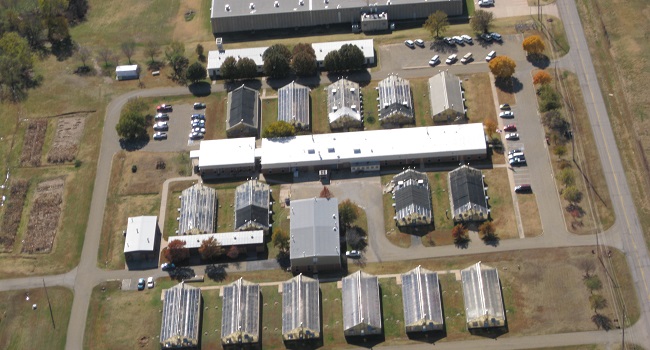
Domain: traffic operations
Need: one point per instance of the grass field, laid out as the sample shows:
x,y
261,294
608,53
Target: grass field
x,y
24,328
529,213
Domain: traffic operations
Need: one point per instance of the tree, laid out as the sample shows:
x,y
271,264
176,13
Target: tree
x,y
196,72
229,69
348,213
481,21
279,128
16,67
490,126
276,65
233,252
280,240
332,61
534,45
131,126
351,57
176,251
152,49
106,55
587,266
566,177
598,302
559,150
128,49
602,321
325,193
210,248
216,273
487,231
76,11
246,68
52,12
179,66
593,283
200,52
502,67
437,23
176,48
303,64
355,237
553,119
277,49
459,233
549,98
83,54
541,78
572,195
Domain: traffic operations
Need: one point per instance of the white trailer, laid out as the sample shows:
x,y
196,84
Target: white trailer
x,y
127,72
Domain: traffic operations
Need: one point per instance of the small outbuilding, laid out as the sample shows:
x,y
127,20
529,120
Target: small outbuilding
x,y
252,202
243,113
482,296
412,199
361,305
141,239
344,105
446,97
314,242
181,317
467,194
293,105
198,211
300,309
395,102
422,302
240,315
127,72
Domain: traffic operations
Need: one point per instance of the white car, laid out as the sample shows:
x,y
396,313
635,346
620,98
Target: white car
x,y
449,41
150,282
490,56
451,59
467,38
355,254
434,60
485,3
419,42
512,136
458,40
506,114
467,58
409,43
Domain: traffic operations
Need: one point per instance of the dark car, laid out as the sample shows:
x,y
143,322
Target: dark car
x,y
160,136
523,189
167,266
196,135
197,117
164,108
141,284
199,105
511,127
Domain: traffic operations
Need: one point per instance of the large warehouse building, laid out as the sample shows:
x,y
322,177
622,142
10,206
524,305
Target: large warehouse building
x,y
229,16
361,305
240,318
422,302
482,296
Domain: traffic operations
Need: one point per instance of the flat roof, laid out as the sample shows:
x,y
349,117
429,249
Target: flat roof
x,y
126,68
226,153
140,233
225,239
322,49
216,58
369,146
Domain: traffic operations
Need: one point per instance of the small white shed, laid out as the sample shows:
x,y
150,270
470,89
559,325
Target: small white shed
x,y
127,72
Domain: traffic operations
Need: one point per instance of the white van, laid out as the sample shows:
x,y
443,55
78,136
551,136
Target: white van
x,y
467,58
516,155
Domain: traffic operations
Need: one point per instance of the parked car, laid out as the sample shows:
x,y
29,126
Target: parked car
x,y
451,59
409,43
467,58
141,284
512,136
458,40
161,126
485,3
496,36
199,105
467,38
490,56
160,136
419,42
486,37
516,155
504,107
197,122
150,282
523,188
199,130
506,114
161,117
354,254
449,41
510,127
164,108
517,161
167,266
197,117
434,60
196,135
516,150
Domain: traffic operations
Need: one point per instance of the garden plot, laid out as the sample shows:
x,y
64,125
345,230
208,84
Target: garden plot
x,y
44,217
13,213
33,143
66,140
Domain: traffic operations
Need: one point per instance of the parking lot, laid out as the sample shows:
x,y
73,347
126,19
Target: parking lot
x,y
179,129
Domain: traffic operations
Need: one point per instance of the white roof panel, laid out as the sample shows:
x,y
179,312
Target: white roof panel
x,y
225,239
227,153
216,58
322,49
140,233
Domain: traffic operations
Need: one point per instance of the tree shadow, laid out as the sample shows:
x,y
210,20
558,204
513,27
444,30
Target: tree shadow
x,y
540,61
283,259
134,145
419,231
509,85
462,243
216,273
63,49
181,273
362,77
492,240
200,89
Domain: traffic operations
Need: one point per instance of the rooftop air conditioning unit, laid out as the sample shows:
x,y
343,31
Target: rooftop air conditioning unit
x,y
276,4
251,6
227,8
301,2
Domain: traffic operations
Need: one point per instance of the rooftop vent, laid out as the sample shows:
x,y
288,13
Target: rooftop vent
x,y
301,2
251,6
276,4
227,8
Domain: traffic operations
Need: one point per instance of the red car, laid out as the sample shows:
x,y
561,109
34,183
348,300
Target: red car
x,y
511,127
164,108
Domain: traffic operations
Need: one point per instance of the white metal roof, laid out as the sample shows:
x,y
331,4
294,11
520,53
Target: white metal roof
x,y
227,153
216,58
140,234
377,145
224,239
127,68
322,49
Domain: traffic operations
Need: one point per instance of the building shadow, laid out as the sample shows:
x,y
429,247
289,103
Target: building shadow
x,y
370,341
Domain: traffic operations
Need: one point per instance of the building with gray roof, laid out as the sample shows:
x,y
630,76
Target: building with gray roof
x,y
252,201
240,315
293,105
467,195
300,309
142,239
446,97
243,113
314,243
422,302
181,317
198,211
482,297
395,102
237,16
361,305
412,199
344,105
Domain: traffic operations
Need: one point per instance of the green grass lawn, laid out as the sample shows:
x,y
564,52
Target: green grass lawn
x,y
370,113
269,112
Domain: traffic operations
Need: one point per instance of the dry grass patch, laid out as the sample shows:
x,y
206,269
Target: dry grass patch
x,y
12,214
24,328
33,143
500,202
193,30
66,140
44,217
506,97
529,213
153,168
421,104
480,103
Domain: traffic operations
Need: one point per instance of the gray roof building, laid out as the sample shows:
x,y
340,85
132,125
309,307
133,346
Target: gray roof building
x,y
395,101
467,195
300,309
198,211
240,317
314,242
181,317
446,97
421,299
243,112
482,297
293,105
361,305
252,206
344,105
412,199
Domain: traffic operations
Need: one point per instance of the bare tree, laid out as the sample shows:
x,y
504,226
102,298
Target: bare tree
x,y
128,49
106,55
587,266
152,49
83,54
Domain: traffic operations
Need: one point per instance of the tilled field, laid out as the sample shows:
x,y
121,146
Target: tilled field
x,y
66,140
44,217
33,143
13,213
